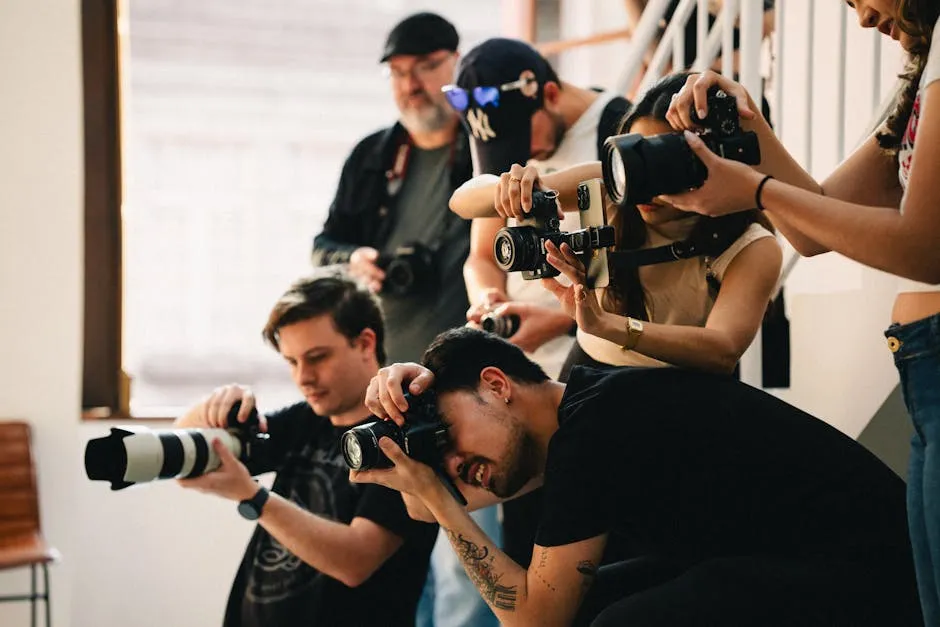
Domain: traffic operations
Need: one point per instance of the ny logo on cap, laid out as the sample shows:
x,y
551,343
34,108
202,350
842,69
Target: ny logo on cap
x,y
480,125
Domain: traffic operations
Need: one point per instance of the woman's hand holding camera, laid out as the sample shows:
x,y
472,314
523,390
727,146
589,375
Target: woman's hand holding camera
x,y
384,397
731,185
513,196
694,95
576,299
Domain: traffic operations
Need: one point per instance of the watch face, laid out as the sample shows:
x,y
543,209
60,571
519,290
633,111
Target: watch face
x,y
248,510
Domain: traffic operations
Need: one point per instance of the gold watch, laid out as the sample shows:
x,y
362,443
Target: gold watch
x,y
634,331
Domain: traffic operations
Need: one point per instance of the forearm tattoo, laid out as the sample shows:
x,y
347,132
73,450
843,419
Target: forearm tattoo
x,y
479,566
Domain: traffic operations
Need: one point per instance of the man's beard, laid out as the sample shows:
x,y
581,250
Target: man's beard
x,y
520,468
558,132
429,118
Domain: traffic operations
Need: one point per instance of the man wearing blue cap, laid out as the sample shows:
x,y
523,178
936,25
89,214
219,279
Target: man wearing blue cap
x,y
519,112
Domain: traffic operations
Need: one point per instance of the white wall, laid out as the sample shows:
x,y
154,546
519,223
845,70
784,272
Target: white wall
x,y
152,557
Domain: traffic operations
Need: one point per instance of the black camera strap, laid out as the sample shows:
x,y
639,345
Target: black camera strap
x,y
711,241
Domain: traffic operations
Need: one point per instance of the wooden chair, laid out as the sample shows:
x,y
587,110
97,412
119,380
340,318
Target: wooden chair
x,y
21,540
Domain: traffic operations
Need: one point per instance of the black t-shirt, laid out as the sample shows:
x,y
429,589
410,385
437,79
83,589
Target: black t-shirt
x,y
274,588
691,466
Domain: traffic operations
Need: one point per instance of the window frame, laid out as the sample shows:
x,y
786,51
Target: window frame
x,y
104,385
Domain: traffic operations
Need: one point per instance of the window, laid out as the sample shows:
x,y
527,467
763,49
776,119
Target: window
x,y
236,117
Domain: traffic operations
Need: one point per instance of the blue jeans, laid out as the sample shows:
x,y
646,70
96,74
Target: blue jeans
x,y
449,598
916,348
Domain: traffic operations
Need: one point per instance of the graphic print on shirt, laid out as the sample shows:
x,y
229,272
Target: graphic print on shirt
x,y
277,573
906,152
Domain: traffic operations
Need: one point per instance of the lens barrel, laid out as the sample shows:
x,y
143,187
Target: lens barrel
x,y
126,457
361,444
503,326
517,248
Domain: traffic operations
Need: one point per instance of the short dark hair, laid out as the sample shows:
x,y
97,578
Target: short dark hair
x,y
329,291
457,356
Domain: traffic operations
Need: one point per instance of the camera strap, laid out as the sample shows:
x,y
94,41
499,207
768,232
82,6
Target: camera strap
x,y
395,176
711,241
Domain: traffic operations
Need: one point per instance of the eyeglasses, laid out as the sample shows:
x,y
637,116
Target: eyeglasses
x,y
422,70
483,95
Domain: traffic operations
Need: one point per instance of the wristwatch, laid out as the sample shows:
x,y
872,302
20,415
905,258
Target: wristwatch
x,y
250,509
634,331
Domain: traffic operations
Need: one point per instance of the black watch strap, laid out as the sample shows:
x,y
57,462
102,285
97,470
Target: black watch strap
x,y
250,509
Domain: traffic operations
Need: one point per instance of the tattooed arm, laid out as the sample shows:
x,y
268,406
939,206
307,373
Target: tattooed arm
x,y
548,593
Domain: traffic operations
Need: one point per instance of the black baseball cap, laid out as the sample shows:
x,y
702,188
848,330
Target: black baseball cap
x,y
501,134
421,33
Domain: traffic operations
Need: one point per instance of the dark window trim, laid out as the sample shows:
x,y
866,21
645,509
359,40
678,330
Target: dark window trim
x,y
103,384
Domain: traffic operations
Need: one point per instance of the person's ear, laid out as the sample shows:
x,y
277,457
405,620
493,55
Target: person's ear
x,y
551,92
366,342
495,381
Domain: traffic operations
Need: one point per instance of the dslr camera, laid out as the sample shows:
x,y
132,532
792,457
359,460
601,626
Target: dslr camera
x,y
424,438
522,247
137,455
637,168
409,270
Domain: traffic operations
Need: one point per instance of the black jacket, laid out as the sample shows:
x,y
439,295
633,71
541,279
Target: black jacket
x,y
362,213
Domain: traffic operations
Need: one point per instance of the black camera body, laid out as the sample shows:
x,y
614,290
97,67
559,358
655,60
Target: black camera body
x,y
409,270
522,247
423,438
503,326
637,168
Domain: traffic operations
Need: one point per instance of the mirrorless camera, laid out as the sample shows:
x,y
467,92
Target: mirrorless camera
x,y
522,247
409,270
131,455
637,168
424,438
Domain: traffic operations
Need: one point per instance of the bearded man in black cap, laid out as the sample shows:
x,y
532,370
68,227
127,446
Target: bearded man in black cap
x,y
389,220
391,224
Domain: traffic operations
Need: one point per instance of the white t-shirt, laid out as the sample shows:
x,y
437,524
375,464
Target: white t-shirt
x,y
676,292
906,152
578,146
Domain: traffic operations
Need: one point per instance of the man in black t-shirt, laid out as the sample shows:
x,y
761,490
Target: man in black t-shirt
x,y
326,551
769,515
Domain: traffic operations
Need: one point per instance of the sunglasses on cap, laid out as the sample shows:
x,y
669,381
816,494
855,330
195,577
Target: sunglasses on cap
x,y
459,98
